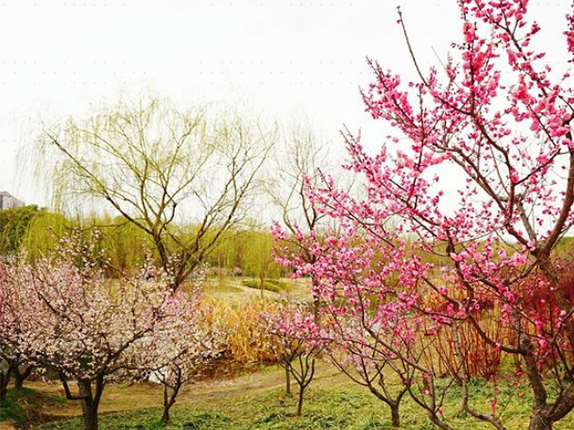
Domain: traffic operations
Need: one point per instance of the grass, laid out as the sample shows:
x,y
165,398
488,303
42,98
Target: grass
x,y
272,410
25,405
342,406
10,410
237,288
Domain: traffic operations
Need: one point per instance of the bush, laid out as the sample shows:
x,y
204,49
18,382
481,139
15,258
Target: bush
x,y
273,285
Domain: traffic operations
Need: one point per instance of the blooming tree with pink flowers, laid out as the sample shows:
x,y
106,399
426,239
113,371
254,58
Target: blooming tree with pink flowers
x,y
418,254
360,356
366,346
296,342
61,313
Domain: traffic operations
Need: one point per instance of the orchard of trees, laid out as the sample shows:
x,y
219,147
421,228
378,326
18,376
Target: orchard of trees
x,y
418,286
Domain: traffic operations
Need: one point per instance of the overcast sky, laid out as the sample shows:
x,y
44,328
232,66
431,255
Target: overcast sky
x,y
282,57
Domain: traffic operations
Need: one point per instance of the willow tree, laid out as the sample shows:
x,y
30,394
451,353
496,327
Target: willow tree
x,y
14,226
184,177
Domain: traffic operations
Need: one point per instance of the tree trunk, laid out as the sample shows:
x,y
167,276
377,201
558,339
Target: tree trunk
x,y
89,407
287,382
168,402
539,422
90,419
4,380
20,377
261,284
90,415
316,300
396,418
19,381
300,402
165,418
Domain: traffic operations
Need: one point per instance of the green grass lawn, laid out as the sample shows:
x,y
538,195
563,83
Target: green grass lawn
x,y
342,407
272,410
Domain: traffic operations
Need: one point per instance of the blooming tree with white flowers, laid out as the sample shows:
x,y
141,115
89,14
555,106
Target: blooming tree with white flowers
x,y
61,313
183,347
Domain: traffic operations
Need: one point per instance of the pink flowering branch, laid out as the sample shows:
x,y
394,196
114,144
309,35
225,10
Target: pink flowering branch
x,y
416,252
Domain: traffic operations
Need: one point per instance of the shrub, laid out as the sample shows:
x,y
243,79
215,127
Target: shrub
x,y
273,285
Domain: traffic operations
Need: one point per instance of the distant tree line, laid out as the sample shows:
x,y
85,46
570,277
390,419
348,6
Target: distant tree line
x,y
246,252
37,231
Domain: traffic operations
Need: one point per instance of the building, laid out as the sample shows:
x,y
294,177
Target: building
x,y
8,201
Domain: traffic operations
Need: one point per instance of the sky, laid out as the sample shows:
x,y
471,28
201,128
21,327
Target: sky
x,y
284,58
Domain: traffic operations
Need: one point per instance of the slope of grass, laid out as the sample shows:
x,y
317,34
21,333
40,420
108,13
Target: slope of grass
x,y
24,406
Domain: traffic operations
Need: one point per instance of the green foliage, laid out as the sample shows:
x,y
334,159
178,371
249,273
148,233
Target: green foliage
x,y
326,410
251,251
126,245
14,227
11,411
274,285
44,233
